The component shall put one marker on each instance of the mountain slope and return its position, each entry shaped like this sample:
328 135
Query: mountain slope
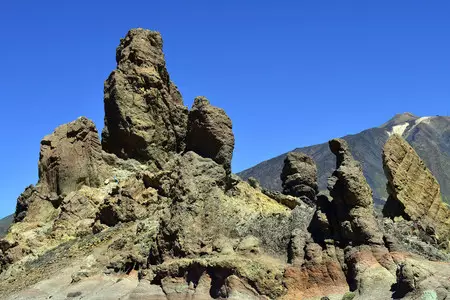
4 225
429 136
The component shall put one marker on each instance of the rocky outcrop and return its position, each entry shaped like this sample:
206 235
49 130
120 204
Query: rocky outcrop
345 223
299 176
427 135
145 117
178 225
70 157
352 198
210 133
414 193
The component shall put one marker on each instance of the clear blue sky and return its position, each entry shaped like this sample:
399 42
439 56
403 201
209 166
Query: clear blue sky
289 73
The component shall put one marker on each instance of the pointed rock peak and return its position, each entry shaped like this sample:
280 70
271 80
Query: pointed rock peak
400 119
200 101
145 118
340 148
352 198
140 47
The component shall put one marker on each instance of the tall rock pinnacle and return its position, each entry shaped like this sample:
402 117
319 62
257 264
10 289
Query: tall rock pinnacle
145 118
353 197
414 193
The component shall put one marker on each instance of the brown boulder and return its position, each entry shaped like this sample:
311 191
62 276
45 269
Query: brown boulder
70 157
414 193
210 133
145 117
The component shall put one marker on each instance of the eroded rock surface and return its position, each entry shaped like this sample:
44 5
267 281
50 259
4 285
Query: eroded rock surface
299 176
70 157
210 133
145 117
414 193
352 198
176 224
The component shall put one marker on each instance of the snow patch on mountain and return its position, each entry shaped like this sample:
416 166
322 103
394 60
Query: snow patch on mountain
398 129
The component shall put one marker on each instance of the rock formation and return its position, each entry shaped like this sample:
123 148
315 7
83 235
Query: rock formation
427 135
414 193
70 157
352 198
210 133
346 223
158 215
299 176
144 113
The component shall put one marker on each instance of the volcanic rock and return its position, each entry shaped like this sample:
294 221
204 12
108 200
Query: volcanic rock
178 225
352 198
299 176
350 218
414 192
70 157
145 117
210 133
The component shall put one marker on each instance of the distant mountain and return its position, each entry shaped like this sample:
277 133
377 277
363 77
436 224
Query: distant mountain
429 136
4 225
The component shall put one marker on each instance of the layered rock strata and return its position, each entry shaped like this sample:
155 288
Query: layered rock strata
414 192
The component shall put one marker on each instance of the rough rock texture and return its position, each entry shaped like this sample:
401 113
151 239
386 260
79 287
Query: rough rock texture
70 157
178 225
345 225
427 135
352 198
210 133
145 117
414 193
299 176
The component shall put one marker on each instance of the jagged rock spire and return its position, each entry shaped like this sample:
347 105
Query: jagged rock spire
145 117
353 198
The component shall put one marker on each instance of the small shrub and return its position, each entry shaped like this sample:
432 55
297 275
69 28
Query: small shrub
349 296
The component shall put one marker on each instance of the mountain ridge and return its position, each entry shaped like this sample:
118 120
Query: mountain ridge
429 134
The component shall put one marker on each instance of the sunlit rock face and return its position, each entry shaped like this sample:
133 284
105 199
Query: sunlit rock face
145 117
414 192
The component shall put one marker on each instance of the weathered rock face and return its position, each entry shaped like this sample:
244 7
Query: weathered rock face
352 198
178 225
346 240
210 133
414 193
299 176
145 117
70 157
